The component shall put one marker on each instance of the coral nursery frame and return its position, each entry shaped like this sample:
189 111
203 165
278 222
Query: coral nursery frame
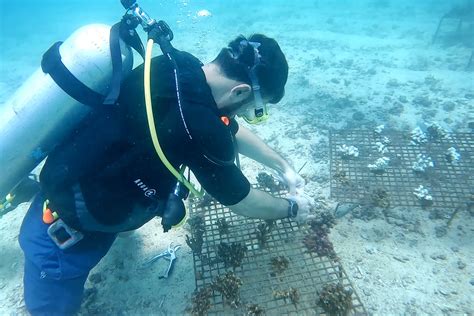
451 185
306 272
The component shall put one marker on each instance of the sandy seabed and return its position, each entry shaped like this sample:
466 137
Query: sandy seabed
344 73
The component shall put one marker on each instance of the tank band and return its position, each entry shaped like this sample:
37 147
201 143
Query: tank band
52 64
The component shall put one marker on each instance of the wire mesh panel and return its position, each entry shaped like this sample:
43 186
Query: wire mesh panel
306 272
449 182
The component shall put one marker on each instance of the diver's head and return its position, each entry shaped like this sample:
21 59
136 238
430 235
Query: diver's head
254 71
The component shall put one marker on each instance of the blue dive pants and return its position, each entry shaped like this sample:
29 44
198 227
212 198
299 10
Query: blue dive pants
54 278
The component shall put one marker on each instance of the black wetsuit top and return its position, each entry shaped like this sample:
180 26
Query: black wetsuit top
111 160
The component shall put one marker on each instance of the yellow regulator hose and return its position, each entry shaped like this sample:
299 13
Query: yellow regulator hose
152 127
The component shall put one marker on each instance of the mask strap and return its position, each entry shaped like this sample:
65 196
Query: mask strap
236 53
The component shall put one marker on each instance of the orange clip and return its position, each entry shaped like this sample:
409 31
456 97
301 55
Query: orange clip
48 216
225 120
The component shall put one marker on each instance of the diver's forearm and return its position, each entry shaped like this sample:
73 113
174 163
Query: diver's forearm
259 204
252 146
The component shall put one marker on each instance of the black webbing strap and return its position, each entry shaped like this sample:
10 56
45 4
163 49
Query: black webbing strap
114 44
130 36
119 31
53 65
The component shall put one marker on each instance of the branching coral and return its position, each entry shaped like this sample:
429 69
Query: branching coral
335 300
418 136
423 195
205 201
201 301
317 240
292 294
255 310
348 152
436 132
232 255
422 164
380 198
196 223
223 226
195 242
320 244
341 176
279 264
229 287
263 233
452 155
379 166
265 180
323 221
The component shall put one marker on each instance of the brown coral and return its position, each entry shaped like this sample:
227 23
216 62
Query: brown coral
201 301
195 242
279 264
265 180
223 226
229 287
317 240
232 255
292 294
380 198
255 310
319 243
263 233
335 300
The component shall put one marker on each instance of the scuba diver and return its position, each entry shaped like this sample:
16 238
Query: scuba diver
106 177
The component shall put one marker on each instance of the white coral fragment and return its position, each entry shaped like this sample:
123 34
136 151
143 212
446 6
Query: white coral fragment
348 151
380 165
418 136
422 164
452 155
423 194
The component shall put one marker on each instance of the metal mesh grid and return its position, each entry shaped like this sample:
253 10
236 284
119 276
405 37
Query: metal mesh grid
306 272
451 185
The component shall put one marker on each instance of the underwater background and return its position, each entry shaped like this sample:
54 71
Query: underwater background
353 65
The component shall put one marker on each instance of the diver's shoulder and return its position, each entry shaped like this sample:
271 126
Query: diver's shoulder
186 57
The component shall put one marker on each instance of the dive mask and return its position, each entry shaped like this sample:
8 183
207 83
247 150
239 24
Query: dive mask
255 115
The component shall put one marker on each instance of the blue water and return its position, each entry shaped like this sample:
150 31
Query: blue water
352 64
28 28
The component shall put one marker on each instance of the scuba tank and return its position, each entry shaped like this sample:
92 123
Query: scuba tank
40 114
